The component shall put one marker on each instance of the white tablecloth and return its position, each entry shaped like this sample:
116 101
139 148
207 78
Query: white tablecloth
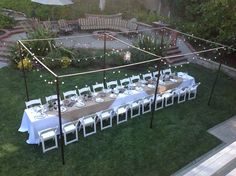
32 125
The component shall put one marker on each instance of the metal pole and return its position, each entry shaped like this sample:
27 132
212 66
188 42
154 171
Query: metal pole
156 89
104 57
60 123
157 84
214 83
24 74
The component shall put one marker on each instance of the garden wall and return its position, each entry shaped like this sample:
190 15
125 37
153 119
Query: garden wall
214 66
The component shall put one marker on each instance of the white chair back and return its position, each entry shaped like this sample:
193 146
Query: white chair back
155 74
69 94
166 71
134 79
125 81
147 76
84 90
32 103
112 84
98 87
51 98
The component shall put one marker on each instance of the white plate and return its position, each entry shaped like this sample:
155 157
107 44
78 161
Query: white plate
99 100
113 95
79 104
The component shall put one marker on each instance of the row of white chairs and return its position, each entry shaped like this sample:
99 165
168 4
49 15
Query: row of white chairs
99 87
136 108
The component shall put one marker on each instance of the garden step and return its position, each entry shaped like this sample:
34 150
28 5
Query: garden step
175 60
173 52
173 48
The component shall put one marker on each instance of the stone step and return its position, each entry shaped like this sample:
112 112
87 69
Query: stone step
173 52
173 48
175 60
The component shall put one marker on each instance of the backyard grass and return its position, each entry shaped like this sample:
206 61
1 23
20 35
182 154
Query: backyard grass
178 136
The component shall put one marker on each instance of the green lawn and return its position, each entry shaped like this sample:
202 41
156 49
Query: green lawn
178 137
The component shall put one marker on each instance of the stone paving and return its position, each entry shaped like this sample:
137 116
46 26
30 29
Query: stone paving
226 132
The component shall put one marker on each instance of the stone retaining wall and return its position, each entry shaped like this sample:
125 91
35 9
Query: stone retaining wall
231 72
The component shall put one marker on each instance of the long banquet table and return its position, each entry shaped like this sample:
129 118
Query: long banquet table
33 122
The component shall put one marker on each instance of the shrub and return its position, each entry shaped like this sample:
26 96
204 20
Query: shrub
27 64
6 22
65 62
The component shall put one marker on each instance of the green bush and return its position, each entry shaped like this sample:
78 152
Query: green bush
6 22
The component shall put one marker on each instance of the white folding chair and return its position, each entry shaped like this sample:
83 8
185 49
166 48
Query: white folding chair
68 128
112 84
122 114
69 94
32 103
48 134
166 71
87 121
105 116
192 91
155 74
182 94
52 98
169 98
135 108
135 79
125 82
159 104
98 87
147 76
147 104
84 90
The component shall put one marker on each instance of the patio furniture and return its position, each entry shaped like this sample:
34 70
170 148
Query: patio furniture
192 91
68 128
147 76
135 79
48 134
89 121
125 81
98 87
146 104
159 104
64 27
32 103
182 94
166 71
112 84
122 114
51 26
51 98
35 121
135 109
101 23
69 94
105 116
83 91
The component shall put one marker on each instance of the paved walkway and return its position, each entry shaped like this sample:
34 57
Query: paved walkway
3 64
226 132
